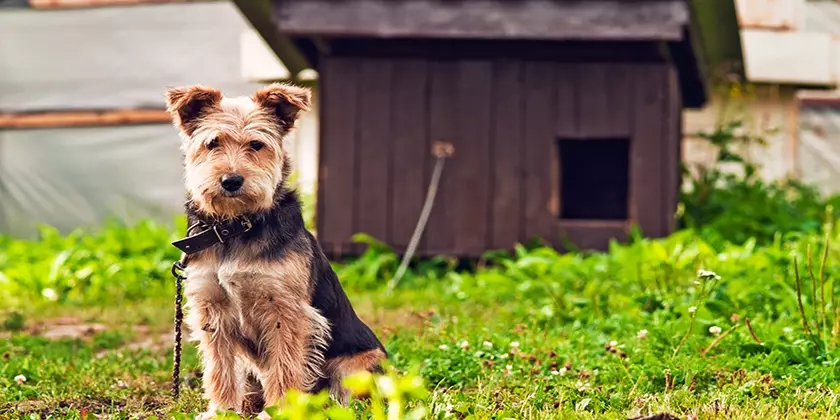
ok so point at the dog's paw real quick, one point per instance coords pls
(207, 415)
(263, 416)
(211, 413)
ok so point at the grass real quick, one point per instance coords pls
(637, 330)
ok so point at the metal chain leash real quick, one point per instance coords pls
(177, 270)
(441, 150)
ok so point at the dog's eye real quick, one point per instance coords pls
(212, 144)
(256, 145)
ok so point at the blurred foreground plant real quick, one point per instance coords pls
(384, 397)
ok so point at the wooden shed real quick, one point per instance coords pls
(565, 116)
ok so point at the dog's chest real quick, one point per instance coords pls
(245, 279)
(239, 278)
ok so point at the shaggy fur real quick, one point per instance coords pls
(266, 308)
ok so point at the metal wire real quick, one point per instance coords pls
(421, 222)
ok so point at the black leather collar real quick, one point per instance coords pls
(218, 233)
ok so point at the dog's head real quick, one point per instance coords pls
(233, 147)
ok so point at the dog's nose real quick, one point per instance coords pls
(232, 182)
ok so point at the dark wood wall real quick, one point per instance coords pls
(504, 116)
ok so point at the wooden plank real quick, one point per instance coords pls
(789, 57)
(672, 174)
(604, 107)
(83, 118)
(442, 127)
(582, 51)
(507, 154)
(539, 148)
(70, 4)
(569, 93)
(646, 150)
(337, 155)
(471, 163)
(476, 19)
(590, 235)
(566, 125)
(373, 141)
(771, 14)
(410, 152)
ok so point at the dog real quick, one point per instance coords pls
(263, 303)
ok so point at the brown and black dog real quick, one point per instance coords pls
(266, 308)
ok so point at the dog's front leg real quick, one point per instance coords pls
(282, 343)
(214, 322)
(289, 337)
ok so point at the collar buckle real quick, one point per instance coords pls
(217, 233)
(247, 223)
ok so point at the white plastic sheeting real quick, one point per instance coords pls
(100, 59)
(117, 57)
(78, 177)
(819, 147)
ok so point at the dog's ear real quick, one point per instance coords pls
(285, 101)
(187, 103)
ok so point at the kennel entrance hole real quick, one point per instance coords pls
(594, 178)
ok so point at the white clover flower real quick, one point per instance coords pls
(49, 294)
(613, 343)
(20, 379)
(443, 347)
(707, 275)
(692, 309)
(714, 329)
(554, 372)
(642, 334)
(503, 356)
(463, 344)
(514, 344)
(582, 386)
(787, 330)
(121, 384)
(563, 371)
(487, 345)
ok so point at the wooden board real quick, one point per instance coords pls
(506, 160)
(672, 138)
(67, 4)
(410, 151)
(566, 125)
(471, 163)
(590, 235)
(539, 147)
(443, 79)
(337, 155)
(771, 14)
(83, 118)
(646, 151)
(604, 101)
(373, 125)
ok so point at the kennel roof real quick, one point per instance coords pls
(699, 34)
